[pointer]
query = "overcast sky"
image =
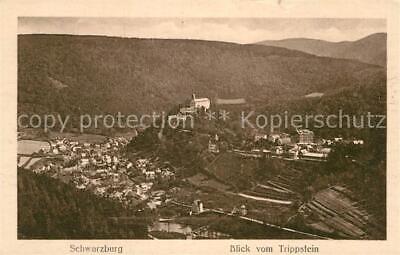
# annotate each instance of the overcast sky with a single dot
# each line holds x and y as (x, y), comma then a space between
(239, 30)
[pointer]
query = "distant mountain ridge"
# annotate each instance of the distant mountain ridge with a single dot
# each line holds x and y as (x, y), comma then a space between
(370, 49)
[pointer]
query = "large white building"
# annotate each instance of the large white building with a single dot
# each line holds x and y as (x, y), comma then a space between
(198, 103)
(305, 136)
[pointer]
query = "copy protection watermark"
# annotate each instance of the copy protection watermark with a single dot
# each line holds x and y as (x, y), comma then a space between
(249, 119)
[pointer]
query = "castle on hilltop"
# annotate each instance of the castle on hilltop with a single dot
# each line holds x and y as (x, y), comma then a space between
(198, 103)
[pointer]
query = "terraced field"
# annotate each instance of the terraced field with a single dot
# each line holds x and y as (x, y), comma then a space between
(284, 186)
(336, 211)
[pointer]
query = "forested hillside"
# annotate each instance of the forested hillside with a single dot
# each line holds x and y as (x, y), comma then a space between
(355, 102)
(91, 74)
(50, 209)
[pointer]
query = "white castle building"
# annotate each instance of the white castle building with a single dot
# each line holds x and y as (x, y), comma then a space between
(198, 103)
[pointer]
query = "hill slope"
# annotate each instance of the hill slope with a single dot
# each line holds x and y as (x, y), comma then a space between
(370, 49)
(91, 74)
(50, 209)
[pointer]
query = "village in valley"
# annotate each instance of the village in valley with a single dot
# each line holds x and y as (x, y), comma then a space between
(149, 184)
(100, 168)
(244, 128)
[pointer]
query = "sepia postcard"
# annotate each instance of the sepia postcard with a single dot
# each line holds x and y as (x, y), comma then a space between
(200, 127)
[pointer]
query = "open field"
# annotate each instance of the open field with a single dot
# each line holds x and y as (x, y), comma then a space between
(83, 138)
(201, 180)
(234, 169)
(31, 146)
(226, 201)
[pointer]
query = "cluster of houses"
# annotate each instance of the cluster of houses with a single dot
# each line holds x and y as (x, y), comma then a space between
(304, 136)
(103, 169)
(152, 171)
(302, 146)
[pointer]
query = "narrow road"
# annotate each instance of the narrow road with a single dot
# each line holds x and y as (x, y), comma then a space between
(276, 201)
(256, 221)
